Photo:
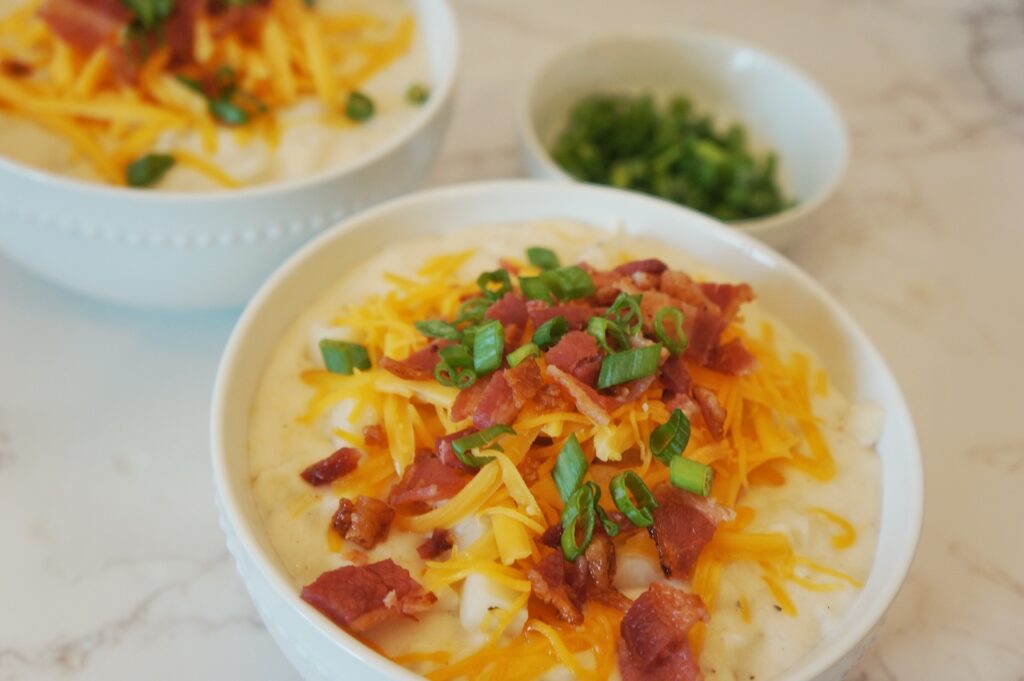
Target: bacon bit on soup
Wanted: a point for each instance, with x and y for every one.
(525, 380)
(361, 597)
(549, 579)
(497, 404)
(436, 544)
(648, 266)
(427, 480)
(654, 644)
(374, 436)
(365, 522)
(712, 410)
(577, 354)
(683, 524)
(419, 365)
(338, 464)
(510, 310)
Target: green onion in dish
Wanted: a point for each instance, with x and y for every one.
(673, 338)
(671, 151)
(639, 512)
(487, 280)
(436, 328)
(517, 356)
(534, 288)
(570, 468)
(690, 475)
(669, 440)
(417, 94)
(628, 365)
(488, 347)
(549, 333)
(359, 107)
(343, 357)
(568, 283)
(148, 170)
(479, 440)
(578, 509)
(541, 257)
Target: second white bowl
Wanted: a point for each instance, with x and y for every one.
(781, 107)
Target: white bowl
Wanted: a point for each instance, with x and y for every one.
(781, 108)
(213, 249)
(318, 648)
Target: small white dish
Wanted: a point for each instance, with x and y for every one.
(208, 250)
(782, 109)
(320, 650)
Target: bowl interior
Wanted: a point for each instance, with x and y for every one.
(781, 109)
(854, 364)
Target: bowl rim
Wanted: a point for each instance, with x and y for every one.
(235, 526)
(755, 226)
(441, 93)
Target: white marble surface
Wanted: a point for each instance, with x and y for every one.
(112, 565)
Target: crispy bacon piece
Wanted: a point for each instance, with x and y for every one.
(497, 403)
(682, 287)
(467, 400)
(180, 28)
(437, 543)
(375, 436)
(417, 366)
(445, 451)
(683, 524)
(711, 409)
(551, 586)
(684, 402)
(674, 375)
(510, 310)
(631, 390)
(704, 332)
(525, 380)
(427, 480)
(361, 597)
(577, 353)
(576, 316)
(728, 297)
(365, 522)
(338, 464)
(588, 401)
(649, 266)
(550, 398)
(599, 562)
(85, 24)
(732, 358)
(654, 644)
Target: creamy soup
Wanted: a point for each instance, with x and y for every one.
(310, 138)
(793, 543)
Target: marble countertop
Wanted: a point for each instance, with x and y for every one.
(112, 564)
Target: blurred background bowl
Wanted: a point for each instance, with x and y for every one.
(213, 249)
(781, 108)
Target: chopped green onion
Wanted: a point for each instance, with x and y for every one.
(676, 341)
(455, 368)
(691, 475)
(669, 440)
(417, 94)
(570, 468)
(627, 365)
(226, 111)
(549, 333)
(479, 440)
(600, 328)
(639, 513)
(541, 257)
(499, 277)
(488, 346)
(342, 357)
(147, 170)
(579, 506)
(469, 337)
(569, 283)
(456, 356)
(359, 107)
(436, 328)
(611, 528)
(630, 305)
(472, 310)
(534, 288)
(516, 357)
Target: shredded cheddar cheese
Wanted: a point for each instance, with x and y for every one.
(770, 430)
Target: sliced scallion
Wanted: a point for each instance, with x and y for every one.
(601, 328)
(436, 328)
(516, 357)
(359, 107)
(625, 312)
(611, 528)
(673, 338)
(481, 439)
(669, 440)
(343, 357)
(578, 509)
(691, 475)
(472, 310)
(488, 347)
(570, 468)
(534, 288)
(638, 512)
(550, 332)
(487, 280)
(628, 365)
(417, 94)
(568, 283)
(541, 257)
(148, 170)
(455, 368)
